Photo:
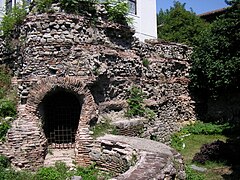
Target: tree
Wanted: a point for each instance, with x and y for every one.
(215, 60)
(179, 25)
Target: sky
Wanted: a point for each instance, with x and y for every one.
(198, 6)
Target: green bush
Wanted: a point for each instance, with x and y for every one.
(7, 174)
(215, 60)
(179, 25)
(205, 128)
(135, 103)
(79, 6)
(136, 106)
(5, 81)
(7, 108)
(87, 173)
(4, 161)
(13, 18)
(4, 127)
(49, 173)
(117, 11)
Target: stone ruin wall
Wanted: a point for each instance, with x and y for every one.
(100, 61)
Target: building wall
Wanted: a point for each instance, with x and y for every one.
(145, 21)
(2, 2)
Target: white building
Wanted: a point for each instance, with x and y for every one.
(143, 13)
(144, 17)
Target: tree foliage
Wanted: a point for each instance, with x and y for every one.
(179, 25)
(215, 61)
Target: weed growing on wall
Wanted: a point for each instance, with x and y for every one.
(136, 106)
(145, 62)
(79, 6)
(117, 11)
(102, 128)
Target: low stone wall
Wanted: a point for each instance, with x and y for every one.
(135, 158)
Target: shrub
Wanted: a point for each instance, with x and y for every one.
(205, 128)
(13, 18)
(135, 104)
(78, 6)
(145, 62)
(4, 127)
(117, 11)
(215, 59)
(210, 152)
(7, 108)
(4, 161)
(88, 173)
(48, 173)
(5, 81)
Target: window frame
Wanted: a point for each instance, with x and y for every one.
(134, 2)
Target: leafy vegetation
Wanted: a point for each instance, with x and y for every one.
(145, 62)
(198, 128)
(4, 162)
(179, 25)
(78, 6)
(58, 172)
(7, 103)
(207, 146)
(193, 175)
(136, 106)
(13, 18)
(7, 108)
(215, 60)
(102, 128)
(210, 152)
(4, 127)
(117, 11)
(5, 82)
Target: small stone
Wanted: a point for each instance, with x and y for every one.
(197, 168)
(76, 178)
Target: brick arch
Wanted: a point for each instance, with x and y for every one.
(77, 86)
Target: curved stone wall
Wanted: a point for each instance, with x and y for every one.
(102, 61)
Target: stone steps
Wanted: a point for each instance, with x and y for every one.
(60, 155)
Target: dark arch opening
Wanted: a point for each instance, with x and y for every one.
(60, 112)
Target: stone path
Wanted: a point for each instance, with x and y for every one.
(56, 155)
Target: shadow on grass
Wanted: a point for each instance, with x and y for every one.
(229, 151)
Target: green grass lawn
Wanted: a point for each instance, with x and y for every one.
(193, 144)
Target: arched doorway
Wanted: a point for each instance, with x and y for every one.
(60, 110)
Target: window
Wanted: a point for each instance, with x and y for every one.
(132, 7)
